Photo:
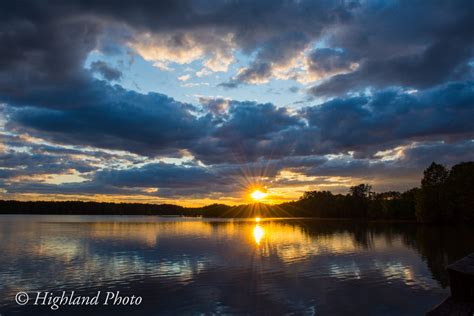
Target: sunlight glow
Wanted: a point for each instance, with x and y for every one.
(258, 233)
(258, 195)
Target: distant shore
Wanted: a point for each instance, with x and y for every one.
(316, 218)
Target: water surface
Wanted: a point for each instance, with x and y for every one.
(213, 266)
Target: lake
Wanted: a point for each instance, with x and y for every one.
(215, 266)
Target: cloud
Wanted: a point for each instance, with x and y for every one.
(191, 180)
(230, 130)
(363, 125)
(106, 71)
(184, 77)
(256, 74)
(327, 62)
(216, 106)
(156, 174)
(178, 48)
(16, 164)
(278, 35)
(406, 66)
(245, 133)
(166, 180)
(416, 45)
(275, 59)
(388, 117)
(186, 47)
(148, 124)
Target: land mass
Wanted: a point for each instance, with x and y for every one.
(445, 196)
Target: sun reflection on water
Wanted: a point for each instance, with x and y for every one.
(258, 233)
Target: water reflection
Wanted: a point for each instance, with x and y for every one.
(258, 233)
(213, 266)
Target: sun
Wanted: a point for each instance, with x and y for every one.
(258, 195)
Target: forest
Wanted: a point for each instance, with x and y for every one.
(445, 196)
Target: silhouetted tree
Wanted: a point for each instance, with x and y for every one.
(359, 199)
(431, 200)
(406, 207)
(361, 191)
(434, 175)
(460, 187)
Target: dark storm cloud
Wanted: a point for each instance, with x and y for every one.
(418, 45)
(170, 180)
(447, 153)
(82, 188)
(16, 164)
(160, 175)
(278, 30)
(257, 72)
(246, 133)
(364, 125)
(253, 120)
(428, 69)
(21, 145)
(42, 55)
(149, 124)
(434, 47)
(326, 61)
(106, 71)
(276, 51)
(396, 43)
(391, 116)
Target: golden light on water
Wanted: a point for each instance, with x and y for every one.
(258, 195)
(258, 233)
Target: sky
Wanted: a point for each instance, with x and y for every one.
(199, 102)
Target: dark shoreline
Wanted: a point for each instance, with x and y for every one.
(191, 213)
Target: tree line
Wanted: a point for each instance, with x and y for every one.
(445, 196)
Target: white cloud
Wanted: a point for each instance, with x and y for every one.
(184, 77)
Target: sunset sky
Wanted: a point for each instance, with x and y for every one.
(197, 102)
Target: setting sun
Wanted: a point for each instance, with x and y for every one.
(258, 195)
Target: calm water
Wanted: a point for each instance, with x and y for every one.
(194, 266)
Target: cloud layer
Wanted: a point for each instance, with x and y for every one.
(390, 85)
